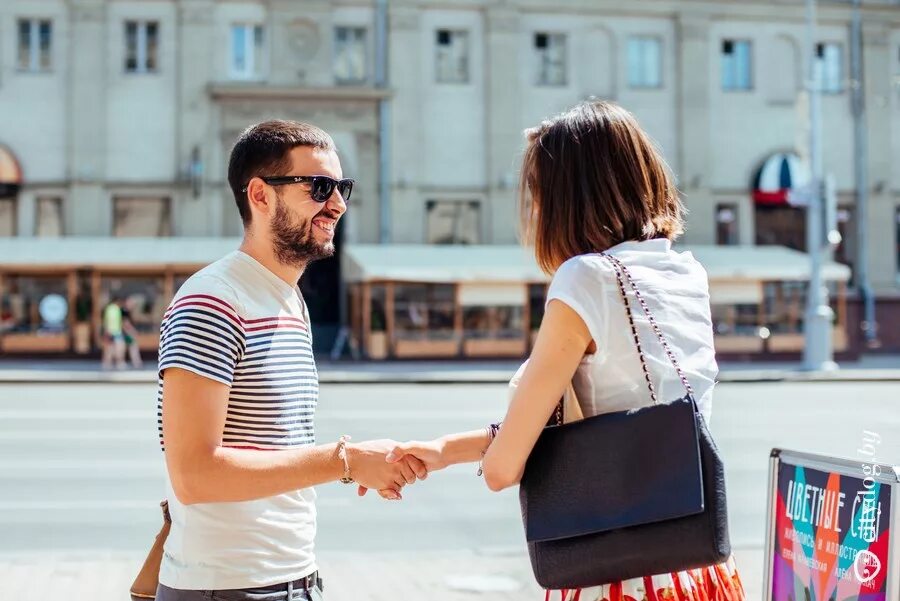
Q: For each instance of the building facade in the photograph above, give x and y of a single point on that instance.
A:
(117, 116)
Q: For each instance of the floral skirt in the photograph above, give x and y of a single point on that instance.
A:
(719, 582)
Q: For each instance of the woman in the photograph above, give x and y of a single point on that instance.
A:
(593, 182)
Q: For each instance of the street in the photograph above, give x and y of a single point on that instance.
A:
(81, 476)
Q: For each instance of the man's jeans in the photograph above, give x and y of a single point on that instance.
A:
(278, 592)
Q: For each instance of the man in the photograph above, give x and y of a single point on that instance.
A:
(238, 387)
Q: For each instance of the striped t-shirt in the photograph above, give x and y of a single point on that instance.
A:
(238, 323)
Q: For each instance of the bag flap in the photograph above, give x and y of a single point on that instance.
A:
(613, 471)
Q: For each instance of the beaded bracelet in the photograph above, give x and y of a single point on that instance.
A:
(492, 434)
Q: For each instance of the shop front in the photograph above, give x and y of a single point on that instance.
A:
(52, 293)
(421, 301)
(427, 301)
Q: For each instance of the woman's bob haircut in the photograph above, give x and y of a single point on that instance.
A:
(591, 179)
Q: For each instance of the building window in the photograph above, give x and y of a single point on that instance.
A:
(7, 217)
(35, 41)
(453, 221)
(727, 232)
(48, 220)
(247, 51)
(141, 217)
(350, 55)
(737, 65)
(644, 62)
(551, 58)
(424, 312)
(141, 46)
(829, 67)
(897, 241)
(452, 56)
(34, 305)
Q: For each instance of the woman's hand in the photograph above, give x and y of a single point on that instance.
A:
(431, 453)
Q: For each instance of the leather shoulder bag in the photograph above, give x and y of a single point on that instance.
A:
(626, 494)
(147, 580)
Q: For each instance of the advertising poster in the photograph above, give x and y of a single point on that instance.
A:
(831, 536)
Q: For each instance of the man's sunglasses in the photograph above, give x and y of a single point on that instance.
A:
(321, 187)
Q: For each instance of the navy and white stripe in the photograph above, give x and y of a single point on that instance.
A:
(268, 362)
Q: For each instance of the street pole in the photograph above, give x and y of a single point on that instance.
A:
(817, 351)
(861, 162)
(384, 133)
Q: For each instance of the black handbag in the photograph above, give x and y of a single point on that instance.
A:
(627, 494)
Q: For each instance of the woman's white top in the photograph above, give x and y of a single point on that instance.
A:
(676, 289)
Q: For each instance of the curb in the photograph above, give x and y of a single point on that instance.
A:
(447, 376)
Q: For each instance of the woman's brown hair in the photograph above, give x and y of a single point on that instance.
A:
(591, 179)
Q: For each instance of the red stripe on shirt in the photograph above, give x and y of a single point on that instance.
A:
(235, 319)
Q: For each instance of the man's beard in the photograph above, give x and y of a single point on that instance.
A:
(294, 243)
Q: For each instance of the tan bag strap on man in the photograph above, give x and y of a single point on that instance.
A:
(147, 580)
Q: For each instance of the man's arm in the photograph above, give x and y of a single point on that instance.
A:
(203, 471)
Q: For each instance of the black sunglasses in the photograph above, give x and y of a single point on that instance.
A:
(321, 187)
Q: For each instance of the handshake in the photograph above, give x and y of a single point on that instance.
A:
(387, 466)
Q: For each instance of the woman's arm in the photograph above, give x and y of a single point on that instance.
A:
(462, 447)
(560, 345)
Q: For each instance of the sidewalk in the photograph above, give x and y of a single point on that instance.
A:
(870, 368)
(433, 576)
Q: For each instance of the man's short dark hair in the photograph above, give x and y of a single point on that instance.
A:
(263, 150)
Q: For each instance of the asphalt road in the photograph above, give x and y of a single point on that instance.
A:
(81, 470)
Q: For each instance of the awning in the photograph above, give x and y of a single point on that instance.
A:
(68, 252)
(778, 180)
(395, 262)
(437, 263)
(10, 173)
(497, 295)
(762, 263)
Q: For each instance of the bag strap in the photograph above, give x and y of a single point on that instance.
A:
(622, 275)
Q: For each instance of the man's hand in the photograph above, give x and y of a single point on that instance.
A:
(430, 453)
(370, 468)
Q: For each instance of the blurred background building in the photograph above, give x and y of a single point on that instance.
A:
(117, 117)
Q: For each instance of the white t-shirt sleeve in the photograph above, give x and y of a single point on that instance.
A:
(202, 331)
(582, 284)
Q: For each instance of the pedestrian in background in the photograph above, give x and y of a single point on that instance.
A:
(592, 183)
(113, 336)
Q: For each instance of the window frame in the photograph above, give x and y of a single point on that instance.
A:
(367, 58)
(34, 45)
(461, 205)
(837, 86)
(167, 223)
(735, 209)
(142, 53)
(14, 202)
(643, 39)
(257, 63)
(735, 86)
(451, 33)
(37, 217)
(543, 58)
